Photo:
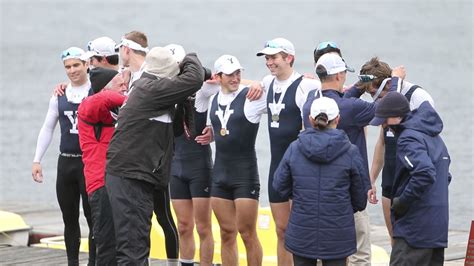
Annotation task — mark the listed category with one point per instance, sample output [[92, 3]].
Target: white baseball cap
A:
[[324, 105], [277, 45], [227, 64], [102, 46], [74, 53], [177, 51], [332, 64]]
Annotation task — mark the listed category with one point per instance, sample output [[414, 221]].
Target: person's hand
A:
[[206, 137], [255, 91], [399, 208], [212, 80], [309, 76], [37, 172], [372, 195], [60, 89], [127, 76], [399, 72]]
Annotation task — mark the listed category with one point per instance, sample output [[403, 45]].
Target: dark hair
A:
[[377, 68], [113, 59], [321, 121], [318, 53]]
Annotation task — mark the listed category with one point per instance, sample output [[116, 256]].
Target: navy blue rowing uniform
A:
[[235, 173], [289, 126], [192, 165]]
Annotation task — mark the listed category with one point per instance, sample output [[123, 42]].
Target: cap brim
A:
[[377, 121], [350, 69], [269, 51], [229, 71]]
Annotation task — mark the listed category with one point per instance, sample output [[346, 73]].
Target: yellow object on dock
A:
[[13, 229]]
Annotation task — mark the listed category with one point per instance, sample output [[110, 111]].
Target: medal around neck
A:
[[223, 132], [275, 118]]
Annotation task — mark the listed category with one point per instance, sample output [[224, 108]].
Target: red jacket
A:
[[96, 109]]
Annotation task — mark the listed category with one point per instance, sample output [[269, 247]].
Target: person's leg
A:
[[202, 216], [405, 255], [301, 261], [362, 226], [247, 213], [280, 208], [224, 210], [162, 208], [437, 257], [132, 218], [183, 209], [336, 262], [67, 194], [103, 224], [79, 173], [281, 214]]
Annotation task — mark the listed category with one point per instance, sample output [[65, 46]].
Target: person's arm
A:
[[113, 100], [168, 92], [376, 167], [412, 153], [363, 112], [283, 179], [353, 92], [398, 74], [44, 138], [207, 134], [359, 186], [253, 109]]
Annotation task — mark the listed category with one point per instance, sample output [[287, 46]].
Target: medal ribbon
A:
[[224, 115]]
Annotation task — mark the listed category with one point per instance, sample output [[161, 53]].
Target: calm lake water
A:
[[433, 39]]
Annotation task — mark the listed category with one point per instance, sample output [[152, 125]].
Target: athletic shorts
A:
[[188, 188], [237, 191]]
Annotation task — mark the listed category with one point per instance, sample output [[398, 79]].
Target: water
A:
[[433, 39]]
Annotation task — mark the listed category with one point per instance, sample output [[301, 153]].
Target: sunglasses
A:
[[366, 77], [272, 44], [325, 45], [72, 52]]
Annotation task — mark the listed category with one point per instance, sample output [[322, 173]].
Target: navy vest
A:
[[390, 139], [289, 124], [236, 159], [68, 124], [185, 148]]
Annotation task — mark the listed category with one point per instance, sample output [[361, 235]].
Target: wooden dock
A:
[[47, 221]]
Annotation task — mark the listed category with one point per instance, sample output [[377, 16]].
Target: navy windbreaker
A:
[[422, 179]]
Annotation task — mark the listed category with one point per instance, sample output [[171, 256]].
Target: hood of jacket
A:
[[424, 119], [323, 145]]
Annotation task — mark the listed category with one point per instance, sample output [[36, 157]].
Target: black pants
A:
[[70, 187], [161, 203], [132, 209], [103, 222], [302, 261], [405, 255]]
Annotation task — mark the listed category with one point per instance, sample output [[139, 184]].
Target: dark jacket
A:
[[323, 173], [422, 179], [141, 148]]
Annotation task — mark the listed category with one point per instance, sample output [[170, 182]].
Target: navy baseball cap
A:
[[394, 104]]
